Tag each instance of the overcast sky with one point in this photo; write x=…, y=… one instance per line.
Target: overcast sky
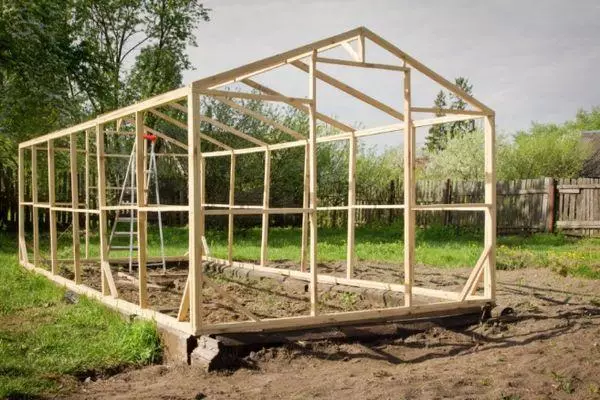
x=528, y=60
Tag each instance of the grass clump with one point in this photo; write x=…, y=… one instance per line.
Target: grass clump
x=47, y=343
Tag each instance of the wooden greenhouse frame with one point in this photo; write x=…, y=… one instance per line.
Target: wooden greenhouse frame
x=187, y=101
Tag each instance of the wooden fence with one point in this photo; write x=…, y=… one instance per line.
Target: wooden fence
x=530, y=205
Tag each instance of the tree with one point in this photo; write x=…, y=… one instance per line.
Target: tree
x=440, y=134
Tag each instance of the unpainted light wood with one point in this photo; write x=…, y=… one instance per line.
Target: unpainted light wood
x=21, y=177
x=409, y=193
x=230, y=218
x=305, y=205
x=389, y=67
x=312, y=183
x=75, y=205
x=142, y=216
x=264, y=242
x=87, y=204
x=51, y=203
x=35, y=211
x=489, y=285
x=350, y=251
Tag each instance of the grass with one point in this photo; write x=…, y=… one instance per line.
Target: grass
x=47, y=343
x=437, y=246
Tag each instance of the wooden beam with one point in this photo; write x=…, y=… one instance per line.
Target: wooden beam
x=302, y=107
x=237, y=74
x=166, y=137
x=231, y=130
x=305, y=215
x=490, y=199
x=425, y=70
x=351, y=91
x=409, y=194
x=443, y=120
x=195, y=209
x=108, y=283
x=87, y=192
x=473, y=277
x=264, y=243
x=312, y=161
x=356, y=56
x=52, y=203
x=230, y=218
x=35, y=211
x=21, y=176
x=360, y=64
x=251, y=96
x=75, y=205
x=264, y=119
x=142, y=216
x=350, y=251
x=360, y=43
x=444, y=111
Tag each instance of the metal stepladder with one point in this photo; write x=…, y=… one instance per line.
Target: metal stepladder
x=128, y=218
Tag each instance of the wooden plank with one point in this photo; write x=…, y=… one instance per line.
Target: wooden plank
x=167, y=138
x=350, y=241
x=51, y=203
x=35, y=211
x=312, y=162
x=264, y=119
x=471, y=283
x=230, y=218
x=75, y=205
x=409, y=194
x=243, y=72
x=443, y=120
x=360, y=64
x=142, y=216
x=425, y=70
x=303, y=107
x=490, y=199
x=305, y=216
x=87, y=193
x=264, y=243
x=231, y=130
x=195, y=209
x=356, y=56
x=578, y=224
x=444, y=111
x=108, y=283
x=350, y=90
x=21, y=177
x=252, y=96
x=587, y=185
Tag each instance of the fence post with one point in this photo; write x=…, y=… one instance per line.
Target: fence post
x=550, y=211
x=447, y=200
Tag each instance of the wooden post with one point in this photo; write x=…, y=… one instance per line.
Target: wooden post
x=550, y=211
x=312, y=156
x=350, y=254
x=195, y=209
x=409, y=194
x=87, y=193
x=305, y=203
x=108, y=284
x=490, y=199
x=231, y=204
x=35, y=199
x=142, y=201
x=361, y=48
x=52, y=203
x=264, y=244
x=447, y=200
x=21, y=173
x=75, y=206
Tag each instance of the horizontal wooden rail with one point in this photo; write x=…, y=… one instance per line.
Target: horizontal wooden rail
x=336, y=61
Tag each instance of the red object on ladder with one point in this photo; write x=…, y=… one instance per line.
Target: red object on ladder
x=150, y=137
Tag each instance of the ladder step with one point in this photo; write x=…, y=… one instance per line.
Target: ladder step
x=154, y=264
x=122, y=247
x=126, y=219
x=125, y=233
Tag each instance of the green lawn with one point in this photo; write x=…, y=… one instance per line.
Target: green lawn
x=46, y=343
x=438, y=246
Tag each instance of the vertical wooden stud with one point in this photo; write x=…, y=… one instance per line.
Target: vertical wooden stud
x=108, y=284
x=350, y=253
x=489, y=280
x=305, y=203
x=409, y=194
x=195, y=209
x=52, y=203
x=550, y=209
x=264, y=243
x=312, y=155
x=361, y=48
x=87, y=193
x=142, y=200
x=75, y=206
x=231, y=204
x=21, y=176
x=35, y=199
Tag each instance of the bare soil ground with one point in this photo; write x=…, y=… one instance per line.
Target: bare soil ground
x=551, y=351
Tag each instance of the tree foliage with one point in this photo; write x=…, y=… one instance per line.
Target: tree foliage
x=440, y=134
